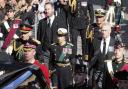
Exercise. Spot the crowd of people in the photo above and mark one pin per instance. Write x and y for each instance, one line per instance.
(57, 25)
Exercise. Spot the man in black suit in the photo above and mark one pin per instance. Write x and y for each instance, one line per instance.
(48, 27)
(104, 50)
(105, 43)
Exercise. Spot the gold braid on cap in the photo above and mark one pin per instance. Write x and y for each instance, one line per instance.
(72, 4)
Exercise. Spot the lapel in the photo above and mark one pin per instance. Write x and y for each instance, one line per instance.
(44, 22)
(54, 23)
(97, 43)
(112, 42)
(110, 48)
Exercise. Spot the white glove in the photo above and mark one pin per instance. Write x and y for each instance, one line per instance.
(118, 1)
(1, 34)
(15, 36)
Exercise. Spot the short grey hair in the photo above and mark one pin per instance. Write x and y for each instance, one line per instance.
(107, 26)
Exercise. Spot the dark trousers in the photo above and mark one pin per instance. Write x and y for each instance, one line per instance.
(74, 36)
(64, 77)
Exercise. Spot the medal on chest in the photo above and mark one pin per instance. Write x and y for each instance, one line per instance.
(67, 50)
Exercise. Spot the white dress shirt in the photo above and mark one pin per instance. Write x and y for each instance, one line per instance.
(51, 19)
(107, 40)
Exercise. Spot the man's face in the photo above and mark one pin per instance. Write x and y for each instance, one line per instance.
(105, 32)
(25, 36)
(49, 10)
(21, 3)
(61, 39)
(10, 14)
(118, 52)
(63, 2)
(100, 20)
(28, 55)
(2, 3)
(14, 2)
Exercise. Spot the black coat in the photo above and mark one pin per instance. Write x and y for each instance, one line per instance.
(48, 35)
(100, 73)
(97, 43)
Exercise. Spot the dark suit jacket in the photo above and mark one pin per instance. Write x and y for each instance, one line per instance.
(98, 63)
(48, 35)
(97, 43)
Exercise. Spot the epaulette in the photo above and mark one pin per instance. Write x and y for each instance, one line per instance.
(12, 41)
(70, 44)
(37, 41)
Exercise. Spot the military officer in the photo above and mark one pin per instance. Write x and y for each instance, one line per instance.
(117, 63)
(118, 60)
(18, 44)
(61, 53)
(79, 21)
(29, 57)
(93, 31)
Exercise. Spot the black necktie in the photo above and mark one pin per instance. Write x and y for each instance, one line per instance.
(48, 23)
(104, 47)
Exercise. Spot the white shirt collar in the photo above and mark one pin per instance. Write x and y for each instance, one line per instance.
(107, 40)
(51, 19)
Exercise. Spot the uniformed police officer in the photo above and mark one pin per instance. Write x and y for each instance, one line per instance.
(61, 53)
(79, 21)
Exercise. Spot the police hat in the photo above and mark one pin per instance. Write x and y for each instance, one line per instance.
(100, 12)
(118, 45)
(62, 32)
(32, 44)
(25, 28)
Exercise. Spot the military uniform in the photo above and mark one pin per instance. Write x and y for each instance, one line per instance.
(61, 56)
(117, 66)
(30, 47)
(93, 31)
(60, 61)
(79, 22)
(18, 44)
